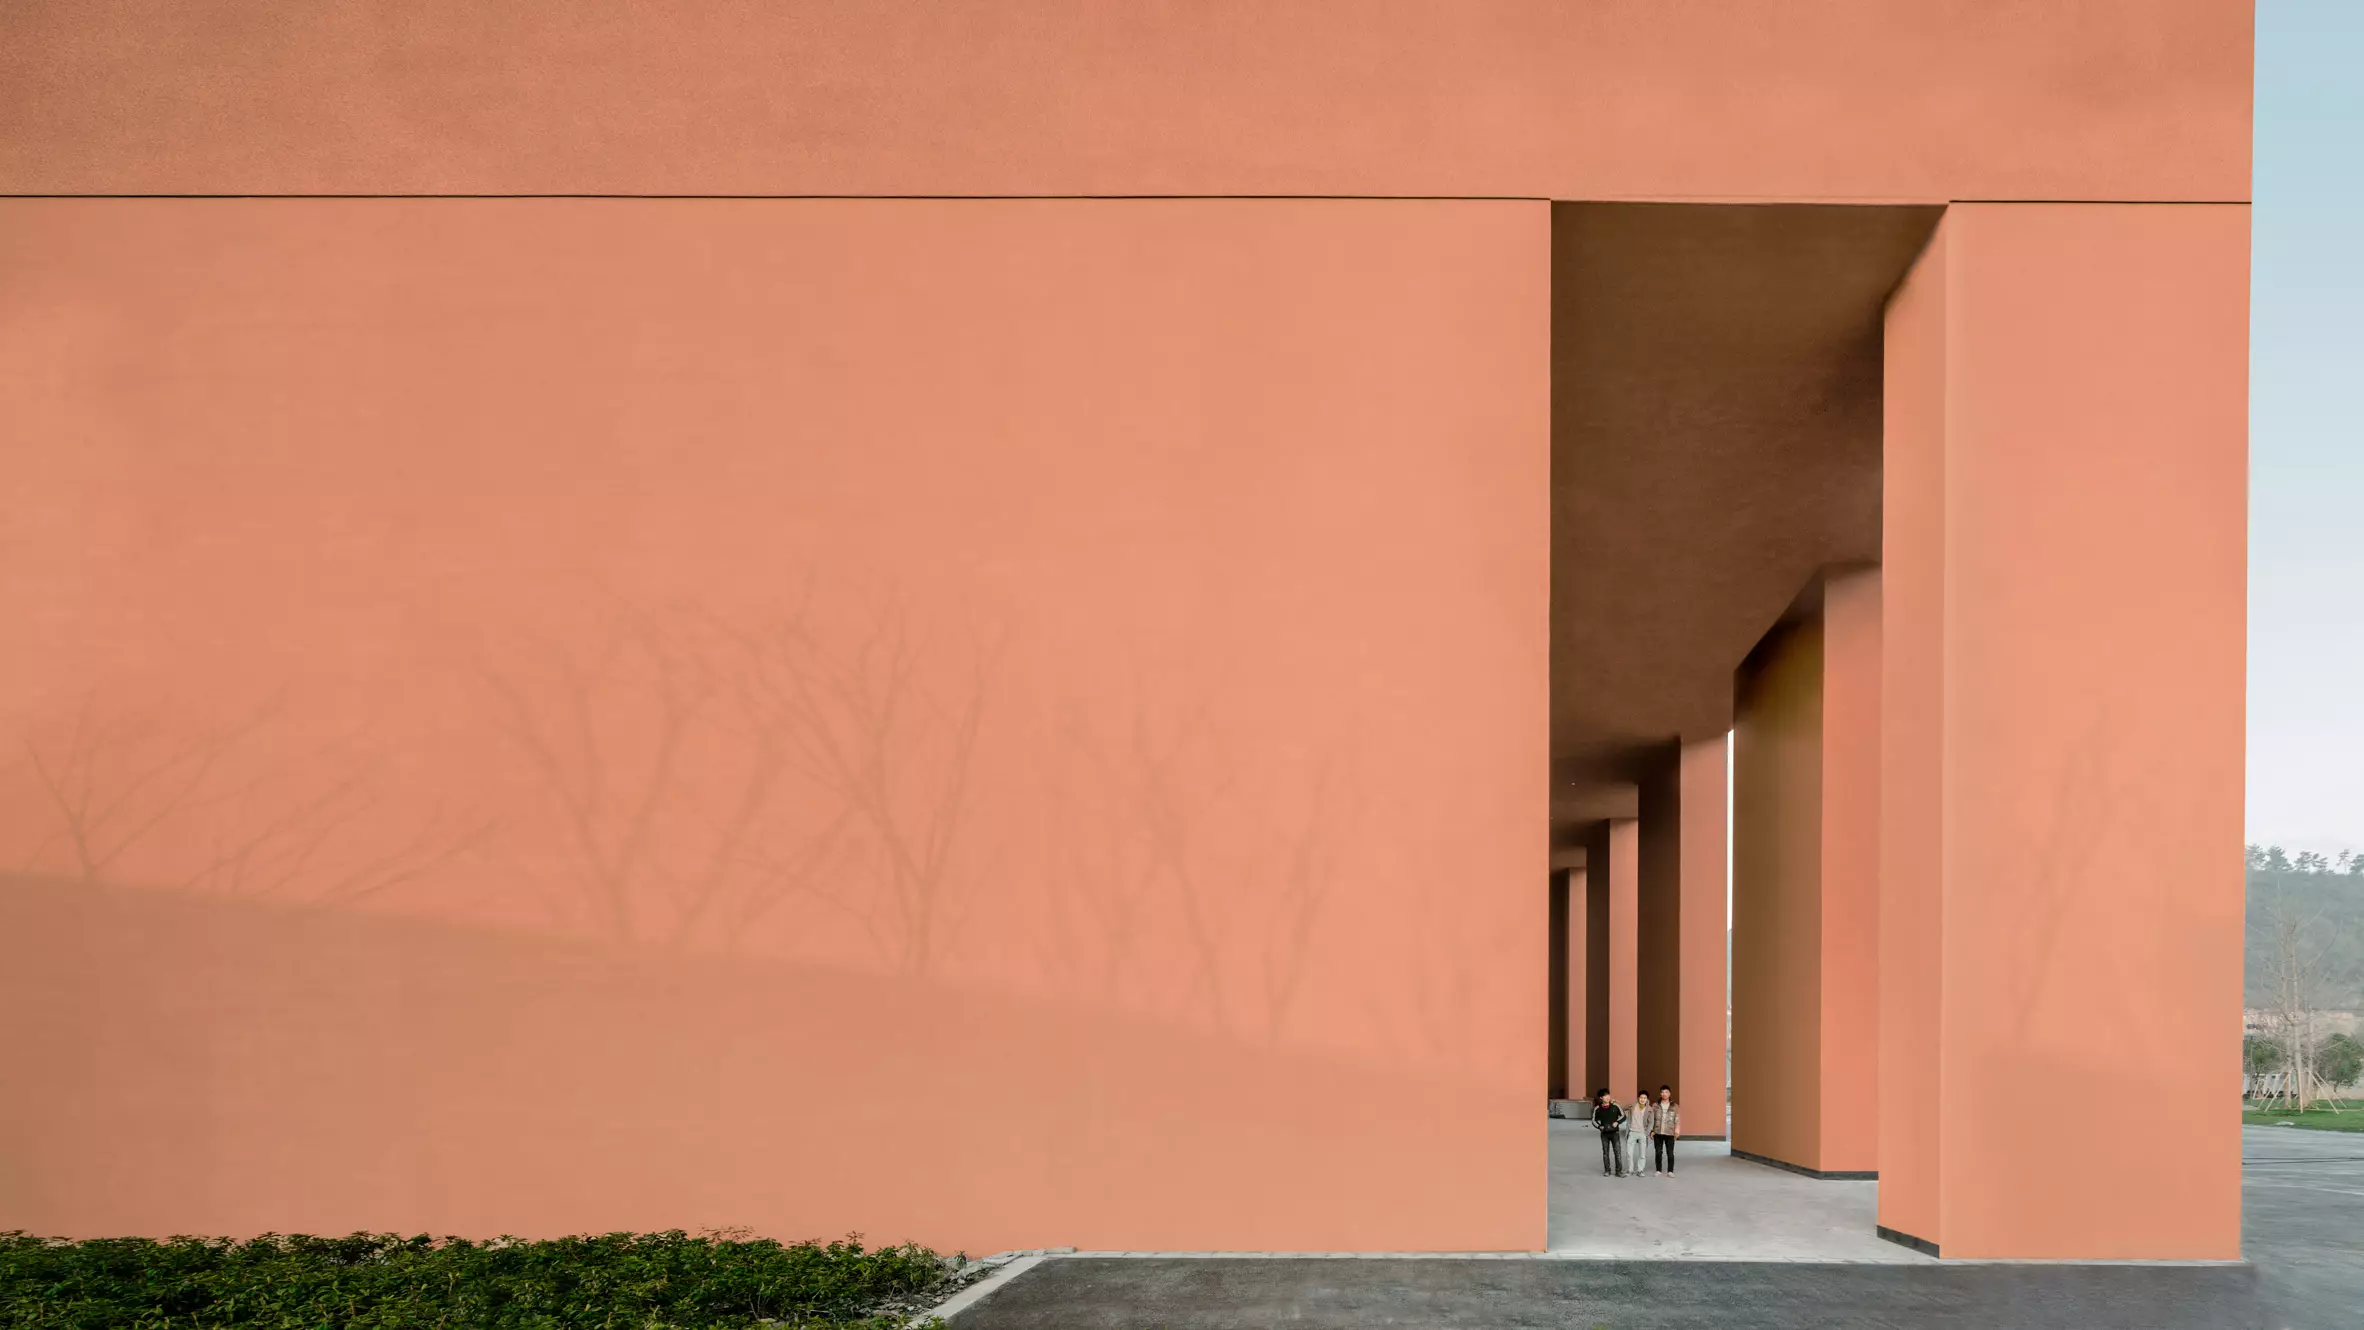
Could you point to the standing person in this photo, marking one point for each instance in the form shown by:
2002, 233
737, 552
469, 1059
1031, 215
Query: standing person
1637, 1135
1666, 1123
1609, 1120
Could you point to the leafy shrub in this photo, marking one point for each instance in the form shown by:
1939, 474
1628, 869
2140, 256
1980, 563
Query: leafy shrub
2340, 1061
620, 1281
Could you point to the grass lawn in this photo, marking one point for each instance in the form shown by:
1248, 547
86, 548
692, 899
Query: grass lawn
622, 1281
2350, 1117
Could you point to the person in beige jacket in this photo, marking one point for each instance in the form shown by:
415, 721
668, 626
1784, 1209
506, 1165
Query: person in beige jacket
1666, 1123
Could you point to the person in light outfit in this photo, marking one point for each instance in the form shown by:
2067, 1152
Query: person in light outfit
1666, 1123
1637, 1136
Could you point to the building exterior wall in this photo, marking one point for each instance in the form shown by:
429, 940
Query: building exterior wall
924, 558
925, 717
1841, 100
2064, 615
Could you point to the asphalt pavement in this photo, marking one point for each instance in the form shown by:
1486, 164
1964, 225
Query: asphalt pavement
2303, 1232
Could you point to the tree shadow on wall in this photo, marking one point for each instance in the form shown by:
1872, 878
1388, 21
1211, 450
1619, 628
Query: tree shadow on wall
890, 752
228, 817
1160, 833
708, 769
2098, 806
1449, 974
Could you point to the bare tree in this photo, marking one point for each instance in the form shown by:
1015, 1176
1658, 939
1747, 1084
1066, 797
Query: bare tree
2294, 964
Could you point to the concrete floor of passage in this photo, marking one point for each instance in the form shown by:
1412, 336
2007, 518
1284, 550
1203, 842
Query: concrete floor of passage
1714, 1208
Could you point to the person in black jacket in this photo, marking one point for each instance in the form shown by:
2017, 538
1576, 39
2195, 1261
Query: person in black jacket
1609, 1120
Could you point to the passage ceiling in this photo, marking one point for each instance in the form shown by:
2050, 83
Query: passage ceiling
1715, 443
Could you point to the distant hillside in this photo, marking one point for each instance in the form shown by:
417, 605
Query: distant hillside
2321, 891
2334, 899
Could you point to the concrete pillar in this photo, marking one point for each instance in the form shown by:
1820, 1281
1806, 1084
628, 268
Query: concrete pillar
1567, 993
1611, 882
1679, 1039
1578, 995
1805, 897
2062, 733
1849, 1083
1555, 1076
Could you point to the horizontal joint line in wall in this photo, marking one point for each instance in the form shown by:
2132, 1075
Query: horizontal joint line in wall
981, 198
1711, 200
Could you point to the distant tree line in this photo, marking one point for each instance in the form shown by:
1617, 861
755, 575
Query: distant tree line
2272, 859
2339, 1059
2323, 895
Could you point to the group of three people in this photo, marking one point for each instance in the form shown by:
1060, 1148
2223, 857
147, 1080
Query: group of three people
1651, 1123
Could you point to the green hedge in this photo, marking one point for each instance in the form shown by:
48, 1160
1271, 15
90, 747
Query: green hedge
382, 1282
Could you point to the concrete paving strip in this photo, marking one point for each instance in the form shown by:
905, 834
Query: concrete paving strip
1005, 1266
1672, 1258
1466, 1290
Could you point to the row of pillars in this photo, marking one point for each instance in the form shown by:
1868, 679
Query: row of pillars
1642, 935
1987, 797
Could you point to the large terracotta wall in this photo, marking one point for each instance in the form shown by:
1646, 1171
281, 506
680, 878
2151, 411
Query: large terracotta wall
2063, 607
1669, 99
993, 723
2097, 531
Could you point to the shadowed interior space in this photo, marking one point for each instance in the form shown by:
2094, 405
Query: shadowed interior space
1716, 439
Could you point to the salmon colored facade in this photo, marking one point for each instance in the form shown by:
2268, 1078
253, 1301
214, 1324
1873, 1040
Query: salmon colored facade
2067, 518
993, 626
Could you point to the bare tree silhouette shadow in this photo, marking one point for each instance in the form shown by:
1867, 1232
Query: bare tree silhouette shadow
707, 769
861, 721
1147, 800
1317, 845
610, 815
117, 779
1176, 852
118, 775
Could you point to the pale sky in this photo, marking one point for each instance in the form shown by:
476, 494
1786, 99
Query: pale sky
2306, 544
